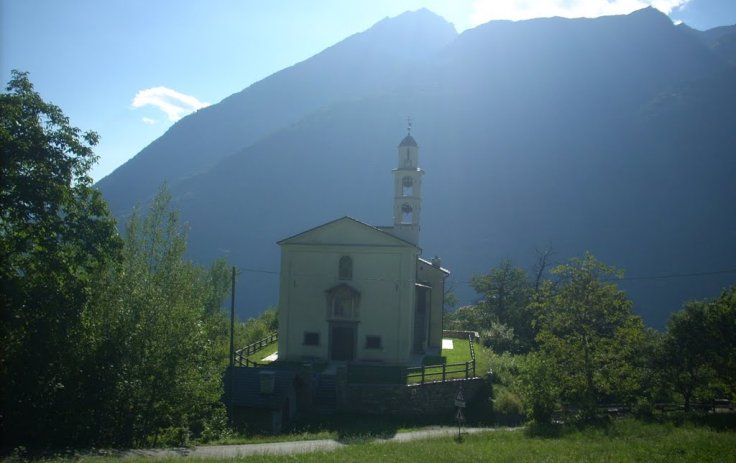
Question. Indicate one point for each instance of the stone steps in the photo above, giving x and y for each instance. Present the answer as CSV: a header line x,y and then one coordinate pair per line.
x,y
325,396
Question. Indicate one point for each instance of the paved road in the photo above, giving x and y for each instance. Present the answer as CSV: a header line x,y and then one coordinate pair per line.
x,y
283,448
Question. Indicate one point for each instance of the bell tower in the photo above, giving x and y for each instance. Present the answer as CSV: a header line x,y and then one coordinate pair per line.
x,y
407,191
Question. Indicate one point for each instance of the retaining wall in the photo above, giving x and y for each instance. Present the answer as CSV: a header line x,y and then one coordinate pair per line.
x,y
414,399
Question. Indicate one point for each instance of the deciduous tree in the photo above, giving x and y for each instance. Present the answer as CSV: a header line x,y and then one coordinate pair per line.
x,y
56,238
589,333
507,294
159,331
700,348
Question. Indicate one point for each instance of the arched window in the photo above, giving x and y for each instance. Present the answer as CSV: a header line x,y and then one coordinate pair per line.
x,y
407,213
407,184
345,268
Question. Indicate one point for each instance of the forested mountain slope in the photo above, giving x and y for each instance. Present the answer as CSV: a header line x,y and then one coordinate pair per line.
x,y
613,135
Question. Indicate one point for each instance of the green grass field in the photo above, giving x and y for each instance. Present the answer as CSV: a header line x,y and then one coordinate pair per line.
x,y
263,353
630,443
460,353
623,441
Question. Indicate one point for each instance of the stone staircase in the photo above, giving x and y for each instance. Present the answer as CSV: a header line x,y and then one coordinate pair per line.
x,y
325,396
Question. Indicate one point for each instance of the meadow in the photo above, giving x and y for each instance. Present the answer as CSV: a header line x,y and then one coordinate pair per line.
x,y
618,441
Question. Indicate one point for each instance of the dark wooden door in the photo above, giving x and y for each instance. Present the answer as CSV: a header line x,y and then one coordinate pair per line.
x,y
343,343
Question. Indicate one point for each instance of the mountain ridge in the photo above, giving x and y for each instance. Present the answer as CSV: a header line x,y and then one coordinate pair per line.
x,y
588,155
264,107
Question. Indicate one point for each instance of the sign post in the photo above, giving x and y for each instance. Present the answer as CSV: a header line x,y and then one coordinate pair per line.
x,y
460,404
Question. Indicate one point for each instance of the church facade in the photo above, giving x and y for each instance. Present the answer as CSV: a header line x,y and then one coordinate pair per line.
x,y
352,292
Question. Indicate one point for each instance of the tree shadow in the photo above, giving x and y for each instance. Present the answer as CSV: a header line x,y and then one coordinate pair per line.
x,y
353,428
544,430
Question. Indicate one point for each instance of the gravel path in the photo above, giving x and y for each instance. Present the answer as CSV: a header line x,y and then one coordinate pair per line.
x,y
283,448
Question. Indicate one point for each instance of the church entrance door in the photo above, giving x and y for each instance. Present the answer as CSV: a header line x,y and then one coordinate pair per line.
x,y
342,342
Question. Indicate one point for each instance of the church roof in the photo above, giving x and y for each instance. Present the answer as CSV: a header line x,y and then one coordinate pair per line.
x,y
351,222
408,141
430,265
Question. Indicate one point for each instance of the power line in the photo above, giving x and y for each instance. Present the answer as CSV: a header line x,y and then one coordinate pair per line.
x,y
666,276
255,270
674,275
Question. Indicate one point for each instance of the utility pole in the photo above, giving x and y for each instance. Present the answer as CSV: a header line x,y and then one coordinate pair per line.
x,y
232,321
231,371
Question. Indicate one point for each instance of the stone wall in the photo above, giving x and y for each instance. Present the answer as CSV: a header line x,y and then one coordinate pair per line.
x,y
415,399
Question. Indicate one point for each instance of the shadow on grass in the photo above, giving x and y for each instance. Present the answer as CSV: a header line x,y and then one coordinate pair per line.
x,y
355,428
544,430
715,421
573,424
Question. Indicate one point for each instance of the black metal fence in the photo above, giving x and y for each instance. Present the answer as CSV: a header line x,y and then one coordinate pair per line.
x,y
241,355
443,372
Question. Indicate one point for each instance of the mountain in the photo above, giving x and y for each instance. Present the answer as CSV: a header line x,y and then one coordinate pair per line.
x,y
612,135
360,65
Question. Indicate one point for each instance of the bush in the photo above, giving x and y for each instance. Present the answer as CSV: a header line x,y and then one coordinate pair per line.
x,y
508,403
508,407
499,337
644,409
539,388
255,329
215,427
174,436
505,367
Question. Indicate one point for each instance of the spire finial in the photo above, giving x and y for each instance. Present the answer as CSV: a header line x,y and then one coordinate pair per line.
x,y
408,124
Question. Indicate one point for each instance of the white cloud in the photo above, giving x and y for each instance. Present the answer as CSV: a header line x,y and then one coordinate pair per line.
x,y
487,10
149,121
176,105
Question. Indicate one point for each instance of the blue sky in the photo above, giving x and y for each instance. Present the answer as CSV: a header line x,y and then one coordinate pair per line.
x,y
128,69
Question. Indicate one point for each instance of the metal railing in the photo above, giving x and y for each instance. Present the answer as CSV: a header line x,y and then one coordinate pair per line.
x,y
430,372
440,372
472,350
241,355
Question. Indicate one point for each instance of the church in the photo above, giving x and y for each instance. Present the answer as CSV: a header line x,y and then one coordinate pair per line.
x,y
353,292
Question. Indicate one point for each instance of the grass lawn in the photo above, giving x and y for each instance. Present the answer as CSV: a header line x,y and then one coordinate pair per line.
x,y
460,353
624,441
342,427
263,353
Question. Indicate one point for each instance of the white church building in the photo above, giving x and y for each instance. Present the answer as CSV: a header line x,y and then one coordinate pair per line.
x,y
352,292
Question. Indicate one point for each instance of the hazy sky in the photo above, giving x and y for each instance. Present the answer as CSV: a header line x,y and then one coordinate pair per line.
x,y
129,68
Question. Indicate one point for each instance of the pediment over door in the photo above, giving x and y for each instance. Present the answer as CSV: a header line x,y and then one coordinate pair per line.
x,y
343,302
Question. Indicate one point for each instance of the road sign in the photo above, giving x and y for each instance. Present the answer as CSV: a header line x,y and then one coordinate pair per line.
x,y
460,400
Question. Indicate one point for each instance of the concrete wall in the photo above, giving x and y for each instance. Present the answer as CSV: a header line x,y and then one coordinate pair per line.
x,y
427,399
